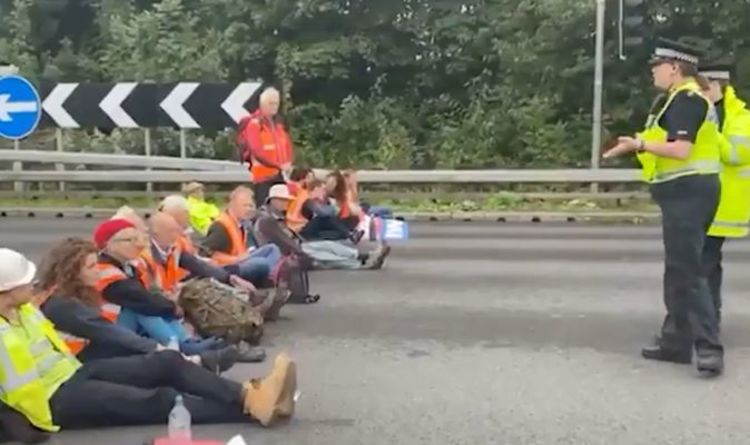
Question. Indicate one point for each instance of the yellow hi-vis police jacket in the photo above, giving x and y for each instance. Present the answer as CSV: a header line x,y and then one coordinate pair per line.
x,y
733,215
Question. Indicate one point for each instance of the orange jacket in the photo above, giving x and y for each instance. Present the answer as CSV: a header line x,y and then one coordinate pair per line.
x,y
267,146
295,220
163,277
108,274
237,238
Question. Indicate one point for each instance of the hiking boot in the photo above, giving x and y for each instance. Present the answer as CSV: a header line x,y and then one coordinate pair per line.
x,y
280,298
377,257
220,360
272,398
249,354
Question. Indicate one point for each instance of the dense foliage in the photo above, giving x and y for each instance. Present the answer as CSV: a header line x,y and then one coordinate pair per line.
x,y
374,83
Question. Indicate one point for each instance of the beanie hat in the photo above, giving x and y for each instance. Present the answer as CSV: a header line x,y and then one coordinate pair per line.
x,y
106,230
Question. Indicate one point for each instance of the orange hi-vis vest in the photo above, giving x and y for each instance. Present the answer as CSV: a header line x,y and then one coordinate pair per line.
x,y
185,244
75,344
108,274
295,220
275,144
161,277
237,240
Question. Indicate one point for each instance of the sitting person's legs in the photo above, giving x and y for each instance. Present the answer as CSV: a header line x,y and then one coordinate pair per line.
x,y
254,270
163,330
141,390
270,252
325,228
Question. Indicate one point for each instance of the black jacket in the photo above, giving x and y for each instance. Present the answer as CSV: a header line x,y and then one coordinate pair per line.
x,y
130,294
78,319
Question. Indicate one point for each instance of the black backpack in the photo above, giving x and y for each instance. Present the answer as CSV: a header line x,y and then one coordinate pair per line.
x,y
291,272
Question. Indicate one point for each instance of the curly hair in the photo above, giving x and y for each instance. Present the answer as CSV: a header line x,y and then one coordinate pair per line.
x,y
60,272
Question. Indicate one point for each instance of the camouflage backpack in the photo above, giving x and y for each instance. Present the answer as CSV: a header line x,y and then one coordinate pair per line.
x,y
218,310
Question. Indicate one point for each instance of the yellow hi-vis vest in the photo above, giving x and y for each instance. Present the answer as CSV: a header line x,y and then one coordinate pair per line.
x,y
733,215
704,156
202,214
21,384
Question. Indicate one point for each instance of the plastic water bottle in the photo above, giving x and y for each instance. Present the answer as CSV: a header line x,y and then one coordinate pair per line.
x,y
173,344
179,424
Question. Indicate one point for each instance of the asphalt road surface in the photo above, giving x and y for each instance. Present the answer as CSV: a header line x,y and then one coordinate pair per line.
x,y
487,334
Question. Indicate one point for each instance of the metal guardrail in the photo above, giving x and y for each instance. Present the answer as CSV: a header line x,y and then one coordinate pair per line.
x,y
367,176
212,171
165,162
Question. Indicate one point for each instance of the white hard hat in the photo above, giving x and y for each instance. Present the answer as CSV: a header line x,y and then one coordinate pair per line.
x,y
15,270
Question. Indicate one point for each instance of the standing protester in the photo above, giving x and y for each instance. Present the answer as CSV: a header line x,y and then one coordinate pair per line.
x,y
732,218
679,151
266,145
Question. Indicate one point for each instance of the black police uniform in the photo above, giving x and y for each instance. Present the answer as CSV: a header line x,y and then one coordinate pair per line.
x,y
688,205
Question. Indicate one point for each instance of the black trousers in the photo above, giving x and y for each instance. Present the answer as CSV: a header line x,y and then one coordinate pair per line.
x,y
141,390
325,228
688,205
261,189
712,269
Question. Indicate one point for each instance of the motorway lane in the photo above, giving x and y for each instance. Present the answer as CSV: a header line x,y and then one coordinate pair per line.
x,y
488,333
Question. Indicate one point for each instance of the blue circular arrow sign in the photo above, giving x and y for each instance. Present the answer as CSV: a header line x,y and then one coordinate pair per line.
x,y
20,107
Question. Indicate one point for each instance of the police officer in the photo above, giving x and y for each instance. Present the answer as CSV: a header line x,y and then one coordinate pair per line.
x,y
732,217
679,152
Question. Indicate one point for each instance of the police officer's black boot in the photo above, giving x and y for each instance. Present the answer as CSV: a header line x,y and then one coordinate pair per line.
x,y
655,350
710,363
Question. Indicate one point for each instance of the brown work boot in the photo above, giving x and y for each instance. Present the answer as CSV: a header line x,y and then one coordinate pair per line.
x,y
272,398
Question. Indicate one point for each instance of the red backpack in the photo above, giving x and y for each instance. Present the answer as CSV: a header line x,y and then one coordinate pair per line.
x,y
243,151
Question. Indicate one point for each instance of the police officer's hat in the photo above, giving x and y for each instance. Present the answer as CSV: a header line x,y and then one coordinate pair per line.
x,y
718,69
667,50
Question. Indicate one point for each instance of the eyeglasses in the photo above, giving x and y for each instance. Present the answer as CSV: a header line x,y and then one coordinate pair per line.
x,y
131,239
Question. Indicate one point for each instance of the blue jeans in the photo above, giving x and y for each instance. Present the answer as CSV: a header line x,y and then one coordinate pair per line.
x,y
257,267
162,330
158,328
270,252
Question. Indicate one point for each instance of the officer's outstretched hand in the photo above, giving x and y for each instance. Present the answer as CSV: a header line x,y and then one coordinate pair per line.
x,y
625,144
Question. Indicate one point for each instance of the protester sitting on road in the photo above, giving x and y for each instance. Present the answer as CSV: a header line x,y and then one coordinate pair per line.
x,y
230,243
338,191
311,215
353,188
68,297
177,207
300,178
271,228
164,261
42,380
122,286
202,213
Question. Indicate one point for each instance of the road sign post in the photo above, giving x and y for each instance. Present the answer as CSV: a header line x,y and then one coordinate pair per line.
x,y
596,130
20,112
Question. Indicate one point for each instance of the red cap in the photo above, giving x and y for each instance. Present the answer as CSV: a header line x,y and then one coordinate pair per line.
x,y
106,230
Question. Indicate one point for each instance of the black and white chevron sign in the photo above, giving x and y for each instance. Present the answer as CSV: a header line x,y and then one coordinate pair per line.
x,y
142,105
